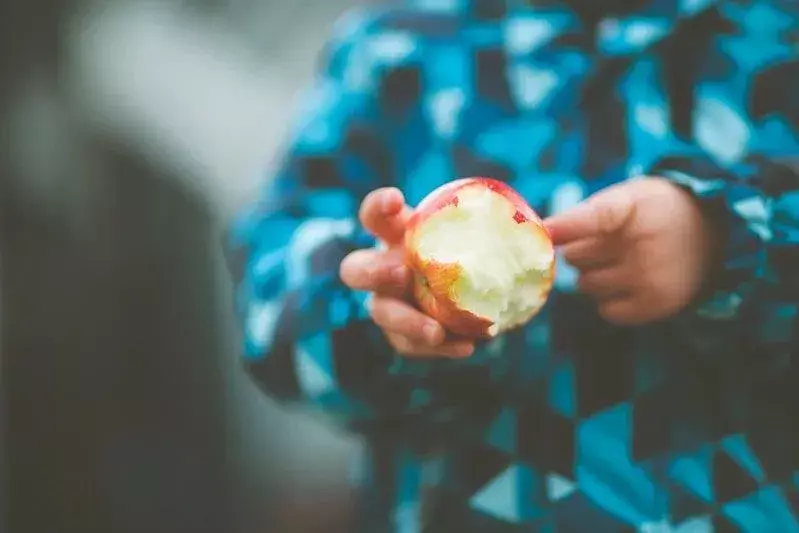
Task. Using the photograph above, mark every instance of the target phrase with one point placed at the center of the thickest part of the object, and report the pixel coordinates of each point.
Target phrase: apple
(482, 261)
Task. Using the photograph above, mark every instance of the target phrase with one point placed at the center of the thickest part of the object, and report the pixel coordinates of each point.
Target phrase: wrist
(732, 256)
(707, 224)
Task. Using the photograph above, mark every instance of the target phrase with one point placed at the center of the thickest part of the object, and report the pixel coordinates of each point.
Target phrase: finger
(375, 271)
(398, 317)
(604, 283)
(449, 349)
(591, 253)
(604, 213)
(384, 214)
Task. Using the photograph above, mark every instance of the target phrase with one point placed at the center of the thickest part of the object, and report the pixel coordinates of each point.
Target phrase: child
(654, 392)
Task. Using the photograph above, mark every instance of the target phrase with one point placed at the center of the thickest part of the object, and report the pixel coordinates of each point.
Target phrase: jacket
(569, 424)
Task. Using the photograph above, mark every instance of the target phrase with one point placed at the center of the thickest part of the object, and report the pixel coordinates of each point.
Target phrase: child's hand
(643, 249)
(383, 273)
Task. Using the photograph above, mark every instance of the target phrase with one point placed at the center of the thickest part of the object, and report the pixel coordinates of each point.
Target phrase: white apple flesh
(483, 263)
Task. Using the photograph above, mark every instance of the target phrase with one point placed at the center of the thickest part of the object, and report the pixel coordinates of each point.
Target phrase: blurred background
(130, 131)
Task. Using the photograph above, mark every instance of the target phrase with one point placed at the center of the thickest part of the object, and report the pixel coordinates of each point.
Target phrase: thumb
(604, 213)
(384, 214)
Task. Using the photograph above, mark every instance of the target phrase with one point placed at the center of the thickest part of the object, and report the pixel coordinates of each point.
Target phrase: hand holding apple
(476, 257)
(384, 273)
(643, 249)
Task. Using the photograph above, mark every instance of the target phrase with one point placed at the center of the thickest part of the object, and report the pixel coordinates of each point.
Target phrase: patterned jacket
(569, 424)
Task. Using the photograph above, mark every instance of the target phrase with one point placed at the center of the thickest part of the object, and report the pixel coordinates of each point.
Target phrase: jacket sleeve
(307, 338)
(755, 207)
(743, 169)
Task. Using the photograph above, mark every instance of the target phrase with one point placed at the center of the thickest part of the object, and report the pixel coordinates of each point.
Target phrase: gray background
(131, 132)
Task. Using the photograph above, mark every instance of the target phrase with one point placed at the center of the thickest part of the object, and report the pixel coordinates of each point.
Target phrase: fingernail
(432, 332)
(465, 351)
(388, 202)
(462, 351)
(398, 275)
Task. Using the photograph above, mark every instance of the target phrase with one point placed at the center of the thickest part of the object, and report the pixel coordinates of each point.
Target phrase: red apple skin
(432, 283)
(431, 291)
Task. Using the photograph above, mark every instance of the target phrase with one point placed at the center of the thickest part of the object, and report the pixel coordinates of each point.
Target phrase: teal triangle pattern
(559, 487)
(502, 433)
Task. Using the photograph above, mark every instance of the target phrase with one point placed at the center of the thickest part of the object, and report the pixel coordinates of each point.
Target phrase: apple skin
(432, 281)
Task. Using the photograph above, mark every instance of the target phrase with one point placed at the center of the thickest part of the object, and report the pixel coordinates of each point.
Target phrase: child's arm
(746, 96)
(755, 206)
(307, 337)
(732, 154)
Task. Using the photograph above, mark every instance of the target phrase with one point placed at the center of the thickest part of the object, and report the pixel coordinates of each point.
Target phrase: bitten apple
(483, 263)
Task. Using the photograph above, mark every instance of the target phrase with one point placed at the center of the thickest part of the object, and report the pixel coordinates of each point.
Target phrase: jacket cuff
(740, 213)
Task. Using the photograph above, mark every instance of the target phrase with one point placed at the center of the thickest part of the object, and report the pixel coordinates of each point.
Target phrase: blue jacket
(569, 424)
